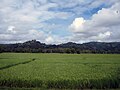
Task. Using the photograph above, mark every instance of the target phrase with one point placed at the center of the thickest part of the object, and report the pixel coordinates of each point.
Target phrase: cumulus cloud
(10, 36)
(101, 36)
(103, 26)
(22, 20)
(11, 29)
(77, 25)
(49, 40)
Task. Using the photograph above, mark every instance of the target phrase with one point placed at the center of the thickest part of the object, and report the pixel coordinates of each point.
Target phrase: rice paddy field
(60, 71)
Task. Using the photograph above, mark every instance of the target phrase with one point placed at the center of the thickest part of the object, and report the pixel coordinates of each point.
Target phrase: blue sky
(56, 21)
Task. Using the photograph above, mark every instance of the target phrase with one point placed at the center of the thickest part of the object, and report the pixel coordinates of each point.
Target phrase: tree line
(34, 46)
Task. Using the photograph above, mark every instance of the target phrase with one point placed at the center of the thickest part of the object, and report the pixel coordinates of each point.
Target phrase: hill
(70, 47)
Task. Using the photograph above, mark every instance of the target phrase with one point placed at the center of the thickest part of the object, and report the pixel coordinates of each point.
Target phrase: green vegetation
(70, 47)
(67, 71)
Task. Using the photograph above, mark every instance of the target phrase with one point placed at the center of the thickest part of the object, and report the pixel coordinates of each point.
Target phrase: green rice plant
(60, 71)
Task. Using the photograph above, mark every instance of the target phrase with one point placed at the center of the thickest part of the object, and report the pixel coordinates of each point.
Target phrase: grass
(61, 71)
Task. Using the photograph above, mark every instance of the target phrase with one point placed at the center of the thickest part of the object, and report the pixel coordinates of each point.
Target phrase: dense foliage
(66, 71)
(35, 47)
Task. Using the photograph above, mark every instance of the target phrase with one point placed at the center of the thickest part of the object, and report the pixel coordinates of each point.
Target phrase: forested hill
(70, 47)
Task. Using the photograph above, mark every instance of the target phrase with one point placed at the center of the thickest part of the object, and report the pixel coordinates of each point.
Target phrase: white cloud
(11, 29)
(9, 36)
(103, 26)
(49, 40)
(101, 36)
(5, 37)
(77, 25)
(22, 20)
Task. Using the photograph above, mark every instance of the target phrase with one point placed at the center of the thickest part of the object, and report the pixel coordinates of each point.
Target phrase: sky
(59, 21)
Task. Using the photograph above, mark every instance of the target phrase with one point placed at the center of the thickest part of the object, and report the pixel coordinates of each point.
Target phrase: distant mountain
(34, 46)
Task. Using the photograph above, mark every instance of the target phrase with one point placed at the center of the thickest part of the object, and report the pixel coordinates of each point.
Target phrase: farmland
(62, 71)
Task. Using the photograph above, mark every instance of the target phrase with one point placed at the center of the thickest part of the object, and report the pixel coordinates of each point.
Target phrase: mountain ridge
(69, 47)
